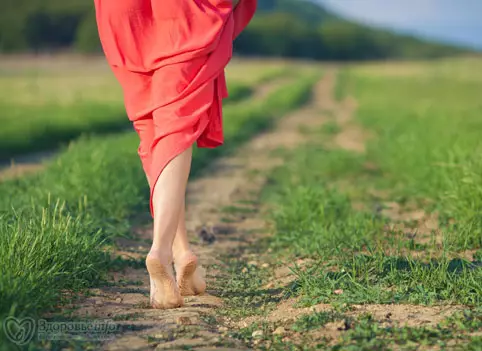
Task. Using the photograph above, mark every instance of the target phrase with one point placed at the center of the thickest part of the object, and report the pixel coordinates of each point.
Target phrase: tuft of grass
(331, 128)
(238, 92)
(378, 278)
(45, 251)
(242, 291)
(316, 320)
(342, 84)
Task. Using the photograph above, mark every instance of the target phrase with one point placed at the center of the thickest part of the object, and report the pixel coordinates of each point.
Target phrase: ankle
(181, 255)
(165, 257)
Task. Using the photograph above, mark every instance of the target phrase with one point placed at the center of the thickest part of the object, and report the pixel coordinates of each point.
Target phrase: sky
(457, 21)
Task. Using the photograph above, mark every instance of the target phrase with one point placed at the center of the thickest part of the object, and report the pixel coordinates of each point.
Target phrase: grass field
(56, 225)
(399, 224)
(47, 102)
(378, 214)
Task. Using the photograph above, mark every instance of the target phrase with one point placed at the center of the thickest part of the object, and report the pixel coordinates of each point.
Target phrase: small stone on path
(206, 235)
(183, 320)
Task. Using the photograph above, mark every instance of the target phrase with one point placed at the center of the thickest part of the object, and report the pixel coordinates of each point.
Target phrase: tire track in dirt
(351, 137)
(225, 181)
(26, 164)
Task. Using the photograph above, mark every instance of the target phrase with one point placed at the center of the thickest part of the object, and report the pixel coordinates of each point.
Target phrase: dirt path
(227, 180)
(22, 165)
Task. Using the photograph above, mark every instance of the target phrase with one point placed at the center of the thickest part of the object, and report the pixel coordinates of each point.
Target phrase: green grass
(429, 149)
(45, 103)
(365, 333)
(242, 291)
(353, 251)
(57, 220)
(423, 153)
(31, 128)
(238, 91)
(316, 320)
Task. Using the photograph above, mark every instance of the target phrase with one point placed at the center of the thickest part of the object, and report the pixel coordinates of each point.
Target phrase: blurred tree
(345, 41)
(284, 28)
(87, 40)
(49, 30)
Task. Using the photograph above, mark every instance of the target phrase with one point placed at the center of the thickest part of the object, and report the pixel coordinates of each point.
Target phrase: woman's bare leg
(189, 275)
(168, 201)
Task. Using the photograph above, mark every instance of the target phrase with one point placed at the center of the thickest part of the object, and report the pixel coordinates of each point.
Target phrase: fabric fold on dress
(169, 57)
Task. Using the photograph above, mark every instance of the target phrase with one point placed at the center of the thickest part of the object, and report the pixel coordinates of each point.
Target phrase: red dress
(169, 57)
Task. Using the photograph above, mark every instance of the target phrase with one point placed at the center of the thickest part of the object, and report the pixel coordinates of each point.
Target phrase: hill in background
(308, 11)
(300, 28)
(281, 28)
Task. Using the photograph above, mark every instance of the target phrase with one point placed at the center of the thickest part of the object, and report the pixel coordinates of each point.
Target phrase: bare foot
(164, 291)
(190, 277)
